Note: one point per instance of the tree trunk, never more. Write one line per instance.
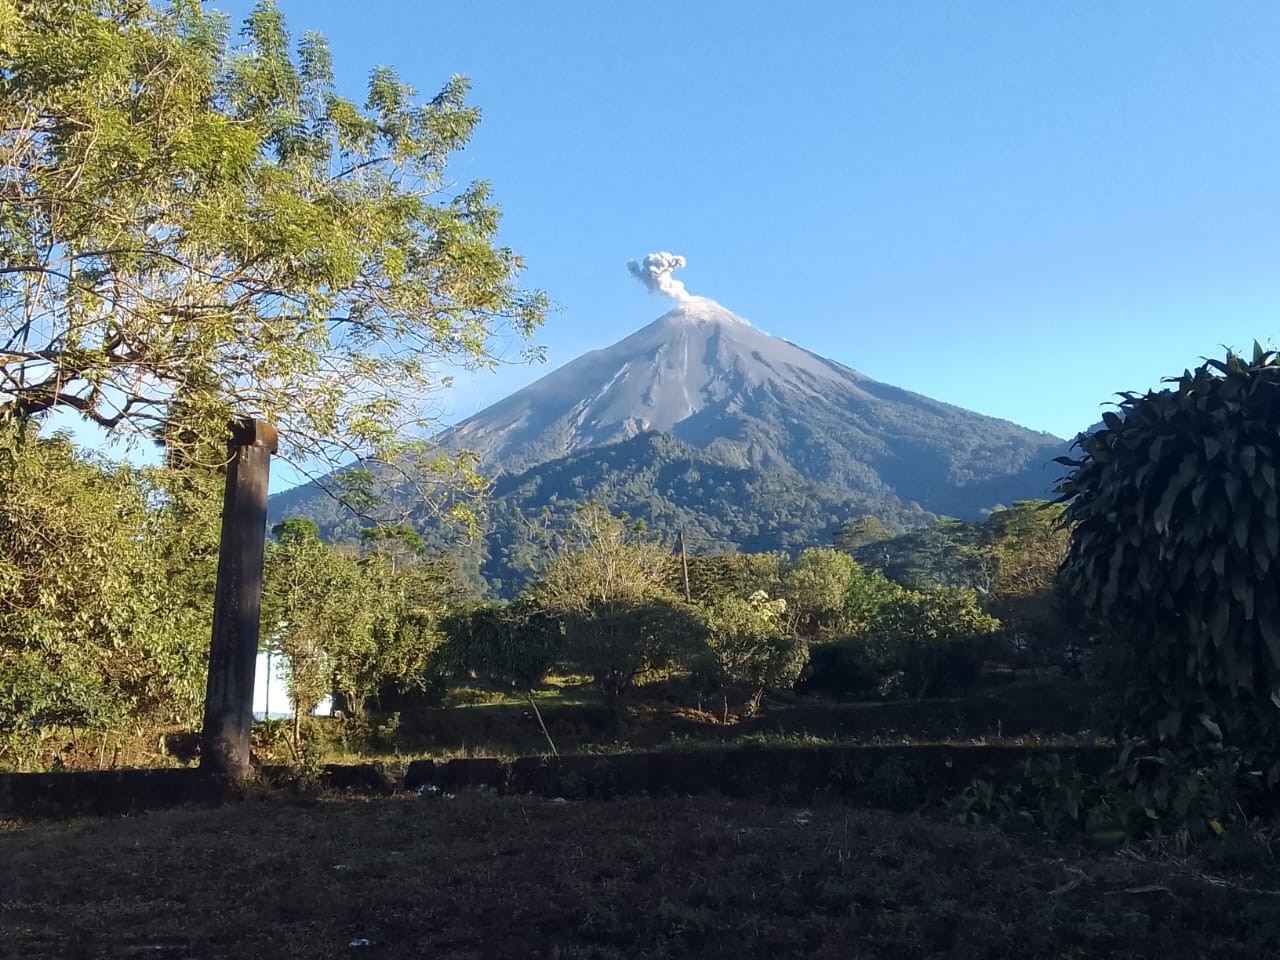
(228, 707)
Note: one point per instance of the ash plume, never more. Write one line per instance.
(655, 273)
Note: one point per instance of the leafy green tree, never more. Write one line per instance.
(816, 588)
(1025, 545)
(946, 554)
(95, 636)
(600, 558)
(920, 641)
(1176, 544)
(504, 643)
(606, 582)
(747, 643)
(196, 230)
(715, 577)
(621, 639)
(312, 606)
(395, 640)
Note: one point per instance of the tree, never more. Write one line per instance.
(599, 558)
(1176, 545)
(312, 606)
(949, 553)
(862, 532)
(95, 635)
(920, 640)
(1025, 545)
(396, 640)
(747, 643)
(606, 582)
(620, 639)
(196, 231)
(714, 577)
(507, 643)
(816, 588)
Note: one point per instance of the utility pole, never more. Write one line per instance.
(233, 652)
(684, 562)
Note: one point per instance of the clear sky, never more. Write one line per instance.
(1017, 207)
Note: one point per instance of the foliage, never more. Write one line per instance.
(747, 643)
(623, 638)
(862, 532)
(507, 643)
(947, 553)
(920, 641)
(1163, 798)
(197, 230)
(1177, 544)
(843, 669)
(605, 582)
(310, 607)
(599, 558)
(716, 576)
(403, 646)
(1027, 543)
(95, 634)
(350, 625)
(816, 587)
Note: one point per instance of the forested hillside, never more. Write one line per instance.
(672, 487)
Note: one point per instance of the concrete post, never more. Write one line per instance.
(233, 654)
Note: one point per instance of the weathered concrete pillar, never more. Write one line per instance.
(228, 704)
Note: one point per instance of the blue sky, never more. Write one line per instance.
(1020, 208)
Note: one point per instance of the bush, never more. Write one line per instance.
(509, 644)
(841, 668)
(747, 644)
(1177, 545)
(923, 643)
(618, 641)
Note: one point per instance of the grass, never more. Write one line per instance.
(565, 691)
(482, 876)
(657, 718)
(480, 721)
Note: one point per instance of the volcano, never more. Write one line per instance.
(702, 425)
(710, 379)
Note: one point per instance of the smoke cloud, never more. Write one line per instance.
(655, 273)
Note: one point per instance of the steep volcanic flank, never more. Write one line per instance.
(714, 381)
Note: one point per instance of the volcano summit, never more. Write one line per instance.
(701, 421)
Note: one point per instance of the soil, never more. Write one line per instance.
(475, 875)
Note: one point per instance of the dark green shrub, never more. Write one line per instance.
(931, 642)
(842, 669)
(511, 644)
(1176, 545)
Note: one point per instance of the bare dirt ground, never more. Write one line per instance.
(477, 876)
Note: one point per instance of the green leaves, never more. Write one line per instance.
(98, 626)
(918, 637)
(210, 231)
(1188, 584)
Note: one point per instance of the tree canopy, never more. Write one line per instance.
(198, 228)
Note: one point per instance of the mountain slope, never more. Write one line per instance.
(674, 488)
(714, 381)
(677, 490)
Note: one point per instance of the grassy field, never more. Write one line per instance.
(477, 722)
(480, 876)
